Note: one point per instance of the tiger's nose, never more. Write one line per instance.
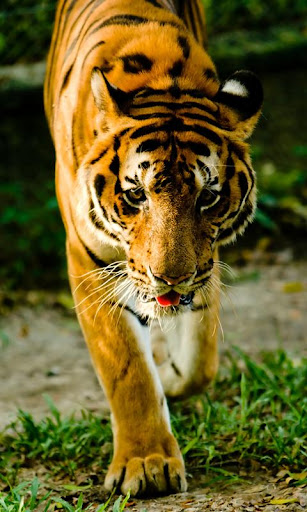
(173, 280)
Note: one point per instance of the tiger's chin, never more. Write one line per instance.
(149, 307)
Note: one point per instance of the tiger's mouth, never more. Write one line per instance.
(171, 298)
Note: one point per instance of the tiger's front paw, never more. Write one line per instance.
(154, 474)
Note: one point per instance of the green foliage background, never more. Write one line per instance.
(226, 15)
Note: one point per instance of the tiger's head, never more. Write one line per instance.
(169, 179)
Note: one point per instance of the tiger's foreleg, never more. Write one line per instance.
(146, 455)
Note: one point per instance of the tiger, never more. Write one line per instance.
(153, 175)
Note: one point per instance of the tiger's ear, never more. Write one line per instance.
(240, 99)
(107, 97)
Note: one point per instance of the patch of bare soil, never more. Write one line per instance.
(257, 493)
(44, 352)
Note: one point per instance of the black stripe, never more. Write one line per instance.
(250, 172)
(65, 79)
(174, 90)
(123, 132)
(207, 133)
(210, 74)
(157, 115)
(67, 14)
(191, 19)
(243, 217)
(154, 3)
(116, 209)
(216, 224)
(200, 278)
(106, 68)
(115, 221)
(100, 263)
(174, 152)
(151, 104)
(99, 184)
(176, 370)
(80, 15)
(184, 45)
(176, 69)
(95, 160)
(130, 19)
(197, 148)
(92, 215)
(243, 184)
(55, 39)
(196, 93)
(233, 214)
(117, 188)
(199, 16)
(225, 192)
(222, 212)
(145, 164)
(178, 126)
(123, 19)
(136, 63)
(149, 91)
(118, 20)
(77, 38)
(200, 117)
(73, 144)
(226, 233)
(240, 155)
(149, 145)
(114, 165)
(201, 130)
(130, 180)
(116, 144)
(174, 106)
(203, 167)
(148, 129)
(94, 258)
(143, 320)
(82, 12)
(162, 115)
(199, 307)
(243, 197)
(100, 43)
(104, 212)
(97, 222)
(230, 167)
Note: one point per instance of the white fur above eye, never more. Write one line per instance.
(236, 88)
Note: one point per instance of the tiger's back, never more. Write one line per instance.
(153, 174)
(128, 48)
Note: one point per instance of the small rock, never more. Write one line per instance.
(54, 371)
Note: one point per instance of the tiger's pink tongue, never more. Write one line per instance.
(171, 298)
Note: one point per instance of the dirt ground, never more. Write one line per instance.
(43, 352)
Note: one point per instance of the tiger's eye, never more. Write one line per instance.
(207, 199)
(135, 197)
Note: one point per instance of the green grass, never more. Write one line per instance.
(24, 498)
(61, 444)
(254, 416)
